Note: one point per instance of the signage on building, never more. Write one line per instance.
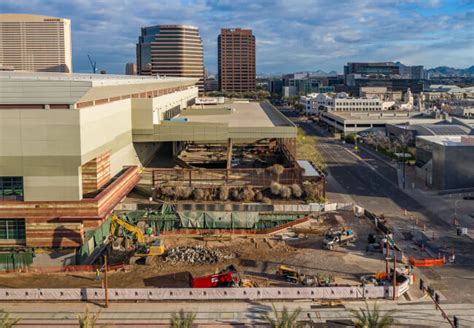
(209, 101)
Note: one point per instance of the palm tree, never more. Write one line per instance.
(371, 318)
(6, 321)
(286, 319)
(182, 320)
(89, 319)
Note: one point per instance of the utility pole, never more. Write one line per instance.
(404, 160)
(394, 276)
(106, 282)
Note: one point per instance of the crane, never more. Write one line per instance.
(142, 248)
(93, 64)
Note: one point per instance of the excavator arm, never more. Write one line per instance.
(116, 221)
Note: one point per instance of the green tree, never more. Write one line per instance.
(286, 319)
(372, 318)
(182, 319)
(263, 94)
(6, 321)
(89, 319)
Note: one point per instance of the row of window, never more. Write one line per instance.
(11, 188)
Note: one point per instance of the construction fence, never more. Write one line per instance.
(200, 294)
(171, 221)
(14, 261)
(92, 240)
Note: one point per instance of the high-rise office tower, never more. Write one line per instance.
(236, 60)
(171, 50)
(130, 69)
(35, 43)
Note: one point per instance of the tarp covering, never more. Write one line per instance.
(218, 220)
(244, 220)
(191, 220)
(13, 261)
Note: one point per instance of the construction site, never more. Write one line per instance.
(228, 199)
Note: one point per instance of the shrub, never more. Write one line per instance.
(183, 192)
(235, 194)
(285, 192)
(258, 196)
(247, 194)
(266, 200)
(168, 192)
(277, 170)
(198, 194)
(275, 188)
(296, 190)
(223, 193)
(309, 189)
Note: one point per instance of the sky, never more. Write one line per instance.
(292, 35)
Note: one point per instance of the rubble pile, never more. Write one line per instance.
(196, 255)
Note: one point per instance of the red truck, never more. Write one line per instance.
(228, 277)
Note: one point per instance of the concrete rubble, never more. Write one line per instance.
(196, 255)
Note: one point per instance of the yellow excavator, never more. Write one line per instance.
(145, 250)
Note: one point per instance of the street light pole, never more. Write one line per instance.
(106, 282)
(404, 160)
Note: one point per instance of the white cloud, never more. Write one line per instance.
(291, 35)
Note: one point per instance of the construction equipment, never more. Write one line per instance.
(93, 64)
(293, 275)
(290, 274)
(228, 277)
(338, 237)
(143, 249)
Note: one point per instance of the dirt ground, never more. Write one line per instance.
(256, 257)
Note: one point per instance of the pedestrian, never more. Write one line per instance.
(452, 259)
(97, 274)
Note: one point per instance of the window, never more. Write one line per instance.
(11, 188)
(12, 229)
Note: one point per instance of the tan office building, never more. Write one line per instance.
(236, 60)
(35, 43)
(171, 50)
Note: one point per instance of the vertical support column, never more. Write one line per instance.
(229, 153)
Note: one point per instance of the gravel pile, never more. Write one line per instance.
(196, 255)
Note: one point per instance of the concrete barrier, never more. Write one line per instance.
(197, 294)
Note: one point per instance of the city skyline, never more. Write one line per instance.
(298, 36)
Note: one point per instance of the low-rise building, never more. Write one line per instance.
(342, 102)
(445, 162)
(357, 122)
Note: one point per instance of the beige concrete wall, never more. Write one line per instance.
(148, 112)
(42, 146)
(47, 147)
(143, 113)
(108, 128)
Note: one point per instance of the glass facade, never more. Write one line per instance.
(11, 188)
(12, 229)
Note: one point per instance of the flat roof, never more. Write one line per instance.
(94, 79)
(28, 18)
(448, 140)
(309, 170)
(242, 122)
(70, 88)
(238, 115)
